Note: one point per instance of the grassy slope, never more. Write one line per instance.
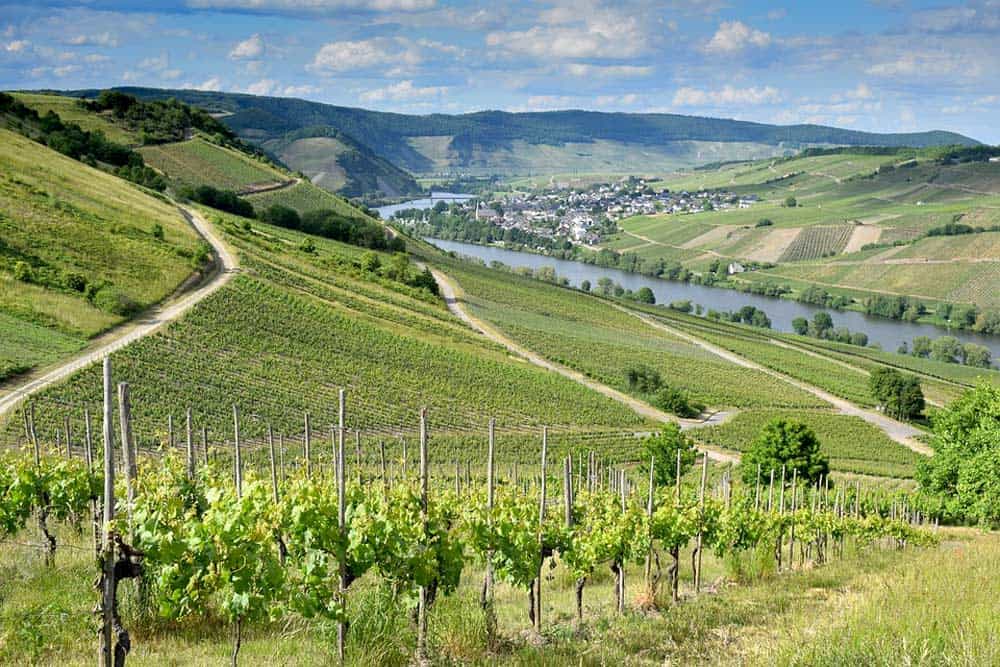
(68, 109)
(61, 216)
(200, 162)
(283, 336)
(899, 203)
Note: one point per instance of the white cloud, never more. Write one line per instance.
(99, 39)
(17, 46)
(549, 102)
(210, 84)
(155, 63)
(726, 96)
(735, 36)
(171, 74)
(403, 90)
(296, 91)
(248, 49)
(262, 87)
(608, 71)
(581, 30)
(314, 6)
(777, 14)
(346, 56)
(927, 63)
(625, 100)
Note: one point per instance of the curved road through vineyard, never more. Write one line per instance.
(146, 324)
(449, 291)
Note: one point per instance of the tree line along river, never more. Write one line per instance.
(889, 334)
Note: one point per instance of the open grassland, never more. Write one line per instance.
(852, 444)
(281, 338)
(317, 157)
(303, 197)
(940, 609)
(70, 111)
(61, 217)
(200, 162)
(588, 335)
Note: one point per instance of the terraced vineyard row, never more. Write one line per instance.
(818, 241)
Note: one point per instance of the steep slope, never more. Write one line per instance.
(80, 251)
(485, 141)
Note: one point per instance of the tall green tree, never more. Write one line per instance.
(899, 395)
(788, 443)
(662, 449)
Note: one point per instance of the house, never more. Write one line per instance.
(735, 267)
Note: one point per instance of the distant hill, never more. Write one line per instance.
(490, 142)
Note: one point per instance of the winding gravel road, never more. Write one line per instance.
(450, 291)
(146, 324)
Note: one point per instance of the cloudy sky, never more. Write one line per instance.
(881, 65)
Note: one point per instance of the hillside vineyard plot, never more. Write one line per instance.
(200, 162)
(594, 338)
(296, 324)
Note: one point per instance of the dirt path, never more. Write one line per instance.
(450, 292)
(144, 325)
(268, 187)
(902, 433)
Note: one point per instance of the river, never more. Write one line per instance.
(387, 212)
(889, 334)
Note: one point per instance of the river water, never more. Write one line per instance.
(887, 333)
(387, 212)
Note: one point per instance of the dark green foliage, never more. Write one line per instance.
(764, 222)
(788, 443)
(662, 449)
(224, 200)
(645, 295)
(673, 400)
(110, 299)
(899, 395)
(356, 231)
(800, 325)
(965, 468)
(282, 216)
(643, 380)
(158, 122)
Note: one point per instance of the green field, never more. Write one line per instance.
(27, 345)
(303, 197)
(63, 218)
(200, 162)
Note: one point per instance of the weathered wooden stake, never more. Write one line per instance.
(307, 439)
(422, 593)
(541, 522)
(341, 518)
(107, 543)
(487, 600)
(69, 437)
(238, 461)
(128, 452)
(189, 436)
(701, 511)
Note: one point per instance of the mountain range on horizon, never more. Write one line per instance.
(358, 152)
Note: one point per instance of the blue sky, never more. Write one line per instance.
(880, 65)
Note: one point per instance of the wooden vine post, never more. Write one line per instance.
(675, 551)
(88, 452)
(422, 592)
(650, 583)
(306, 441)
(620, 565)
(238, 460)
(128, 452)
(189, 435)
(701, 518)
(341, 520)
(791, 532)
(107, 543)
(537, 588)
(487, 600)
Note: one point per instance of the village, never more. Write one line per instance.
(586, 215)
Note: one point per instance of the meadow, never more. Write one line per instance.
(303, 197)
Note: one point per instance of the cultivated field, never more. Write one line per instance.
(200, 162)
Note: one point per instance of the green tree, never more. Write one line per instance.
(789, 443)
(663, 448)
(899, 395)
(921, 347)
(947, 349)
(645, 295)
(965, 468)
(791, 202)
(800, 325)
(369, 261)
(585, 285)
(605, 286)
(976, 355)
(821, 323)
